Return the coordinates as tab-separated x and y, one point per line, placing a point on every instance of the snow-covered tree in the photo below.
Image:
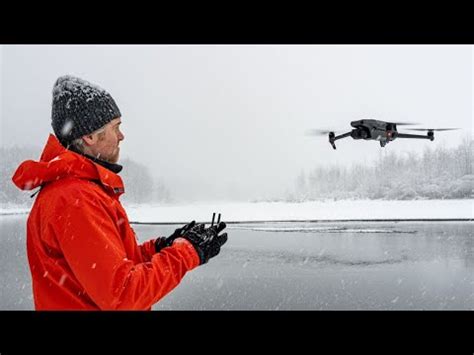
437	173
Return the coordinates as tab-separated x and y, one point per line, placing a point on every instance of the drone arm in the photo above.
333	138
343	135
405	135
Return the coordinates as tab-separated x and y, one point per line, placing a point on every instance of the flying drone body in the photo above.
384	132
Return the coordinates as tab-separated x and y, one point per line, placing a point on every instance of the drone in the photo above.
384	132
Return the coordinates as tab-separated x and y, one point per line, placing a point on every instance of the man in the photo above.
82	251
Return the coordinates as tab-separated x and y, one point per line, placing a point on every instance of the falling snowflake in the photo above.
67	127
63	278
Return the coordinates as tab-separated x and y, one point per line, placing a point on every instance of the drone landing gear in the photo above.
382	143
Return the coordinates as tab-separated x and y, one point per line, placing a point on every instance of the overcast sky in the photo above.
230	120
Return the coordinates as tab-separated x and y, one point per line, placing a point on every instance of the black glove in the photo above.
206	241
163	242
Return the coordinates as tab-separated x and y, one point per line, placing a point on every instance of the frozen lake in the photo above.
301	266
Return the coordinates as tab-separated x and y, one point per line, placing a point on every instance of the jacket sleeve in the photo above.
147	249
93	248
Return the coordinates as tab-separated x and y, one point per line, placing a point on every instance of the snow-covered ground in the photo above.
284	211
315	210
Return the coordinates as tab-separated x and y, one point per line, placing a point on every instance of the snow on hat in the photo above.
79	108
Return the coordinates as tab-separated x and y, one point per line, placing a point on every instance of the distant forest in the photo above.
437	173
140	186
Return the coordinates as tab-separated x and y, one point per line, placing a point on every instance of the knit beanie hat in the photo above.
80	108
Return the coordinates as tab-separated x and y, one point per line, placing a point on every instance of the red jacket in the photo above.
82	252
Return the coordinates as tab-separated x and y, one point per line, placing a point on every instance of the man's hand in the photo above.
163	242
206	241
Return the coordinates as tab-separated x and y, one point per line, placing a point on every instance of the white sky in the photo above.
230	120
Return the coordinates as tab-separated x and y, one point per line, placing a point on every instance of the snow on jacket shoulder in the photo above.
82	252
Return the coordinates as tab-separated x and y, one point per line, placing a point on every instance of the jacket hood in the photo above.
57	162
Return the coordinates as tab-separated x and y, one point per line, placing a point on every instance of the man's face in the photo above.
105	145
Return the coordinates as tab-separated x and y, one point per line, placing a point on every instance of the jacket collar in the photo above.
115	168
57	162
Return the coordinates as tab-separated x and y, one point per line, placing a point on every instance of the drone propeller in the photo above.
403	123
317	132
431	129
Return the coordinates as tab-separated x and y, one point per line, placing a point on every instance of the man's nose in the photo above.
121	137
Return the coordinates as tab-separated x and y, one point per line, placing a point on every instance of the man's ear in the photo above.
89	139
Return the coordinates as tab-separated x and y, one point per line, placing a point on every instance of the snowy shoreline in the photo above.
305	211
340	210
